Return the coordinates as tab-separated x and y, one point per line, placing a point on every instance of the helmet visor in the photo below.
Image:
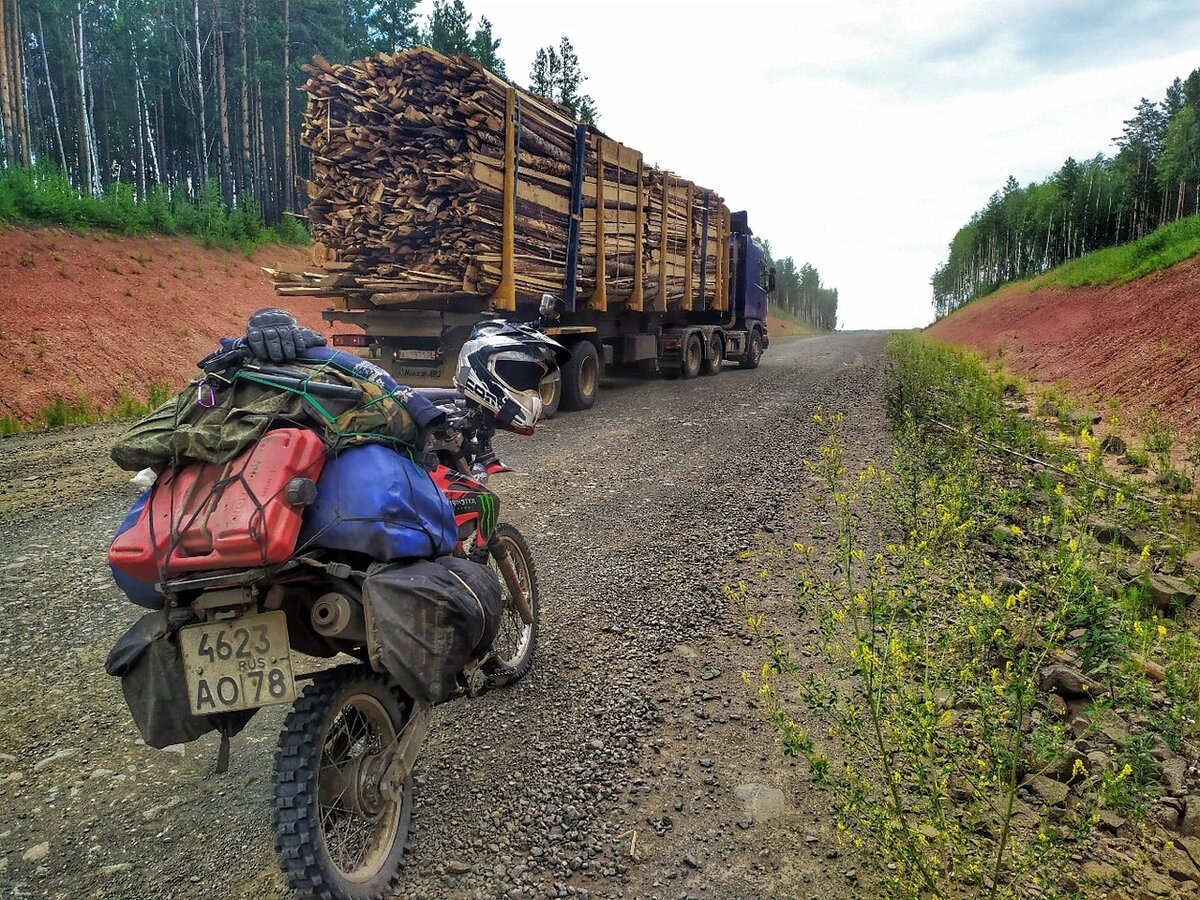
519	371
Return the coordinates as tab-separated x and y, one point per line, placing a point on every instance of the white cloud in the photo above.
860	136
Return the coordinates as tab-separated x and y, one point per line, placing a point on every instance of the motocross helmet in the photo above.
502	367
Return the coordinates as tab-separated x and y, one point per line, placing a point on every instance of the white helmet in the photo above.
502	367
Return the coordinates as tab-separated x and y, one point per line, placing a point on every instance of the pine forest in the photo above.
1152	180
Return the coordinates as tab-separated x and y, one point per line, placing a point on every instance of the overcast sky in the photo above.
861	134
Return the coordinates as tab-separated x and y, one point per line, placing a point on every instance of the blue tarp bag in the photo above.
373	500
136	589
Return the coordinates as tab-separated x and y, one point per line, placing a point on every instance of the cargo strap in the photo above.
704	247
304	385
577	165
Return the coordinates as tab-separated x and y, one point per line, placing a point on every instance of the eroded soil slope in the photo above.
1137	343
98	316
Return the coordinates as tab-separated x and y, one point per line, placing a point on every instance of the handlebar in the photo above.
440	396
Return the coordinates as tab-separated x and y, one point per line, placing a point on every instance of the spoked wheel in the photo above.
338	836
513	648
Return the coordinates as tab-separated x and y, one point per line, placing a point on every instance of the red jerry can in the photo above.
233	515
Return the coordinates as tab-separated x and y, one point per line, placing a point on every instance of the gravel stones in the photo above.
532	791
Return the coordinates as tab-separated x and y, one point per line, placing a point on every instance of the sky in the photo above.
860	135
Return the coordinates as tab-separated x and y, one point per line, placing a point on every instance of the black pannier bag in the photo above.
428	619
147	660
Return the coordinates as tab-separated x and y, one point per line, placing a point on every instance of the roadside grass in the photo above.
44	195
61	411
784	324
1002	672
1161	249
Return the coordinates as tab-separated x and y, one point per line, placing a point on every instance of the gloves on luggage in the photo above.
274	334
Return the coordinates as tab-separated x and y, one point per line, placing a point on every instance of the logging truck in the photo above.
442	194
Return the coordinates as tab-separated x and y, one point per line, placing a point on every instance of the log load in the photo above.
437	184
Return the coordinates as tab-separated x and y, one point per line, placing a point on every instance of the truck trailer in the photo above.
459	196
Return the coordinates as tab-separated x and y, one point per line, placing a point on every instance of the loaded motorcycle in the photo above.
231	621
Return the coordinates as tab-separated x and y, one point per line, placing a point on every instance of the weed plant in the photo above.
935	730
60	411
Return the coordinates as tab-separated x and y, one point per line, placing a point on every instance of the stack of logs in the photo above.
407	198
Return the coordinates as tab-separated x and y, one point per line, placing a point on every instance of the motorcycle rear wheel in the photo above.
515	643
337	836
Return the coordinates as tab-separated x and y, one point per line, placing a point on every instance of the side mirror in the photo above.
549	308
771	281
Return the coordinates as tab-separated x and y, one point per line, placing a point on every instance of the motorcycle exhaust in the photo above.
337	616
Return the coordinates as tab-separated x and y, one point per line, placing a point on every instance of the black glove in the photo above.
274	334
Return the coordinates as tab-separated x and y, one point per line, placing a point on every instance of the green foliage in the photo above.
556	75
1158	250
1023	232
931	639
60	411
43	195
800	292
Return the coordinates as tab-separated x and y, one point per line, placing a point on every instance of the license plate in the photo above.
401	371
237	663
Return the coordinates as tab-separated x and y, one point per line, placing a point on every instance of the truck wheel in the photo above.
693	356
551	397
581	377
753	351
716	355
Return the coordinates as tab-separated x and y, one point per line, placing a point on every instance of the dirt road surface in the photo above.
634	722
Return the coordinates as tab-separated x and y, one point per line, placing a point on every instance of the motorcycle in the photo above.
343	764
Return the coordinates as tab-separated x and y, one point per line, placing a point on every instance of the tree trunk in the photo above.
62	153
94	139
223	109
247	173
7	123
149	131
21	95
289	175
202	156
260	158
85	135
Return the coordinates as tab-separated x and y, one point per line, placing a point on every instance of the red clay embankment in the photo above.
1136	343
97	316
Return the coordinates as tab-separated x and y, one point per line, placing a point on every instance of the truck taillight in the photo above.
349	340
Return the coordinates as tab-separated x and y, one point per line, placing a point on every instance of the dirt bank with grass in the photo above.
98	318
1137	343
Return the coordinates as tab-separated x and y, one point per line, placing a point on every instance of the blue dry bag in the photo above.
138	590
373	500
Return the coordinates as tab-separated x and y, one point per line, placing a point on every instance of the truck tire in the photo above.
693	357
581	377
754	349
716	355
551	398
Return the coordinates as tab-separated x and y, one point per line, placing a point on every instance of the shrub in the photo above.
43	194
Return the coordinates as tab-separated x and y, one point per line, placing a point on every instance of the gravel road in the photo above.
634	732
